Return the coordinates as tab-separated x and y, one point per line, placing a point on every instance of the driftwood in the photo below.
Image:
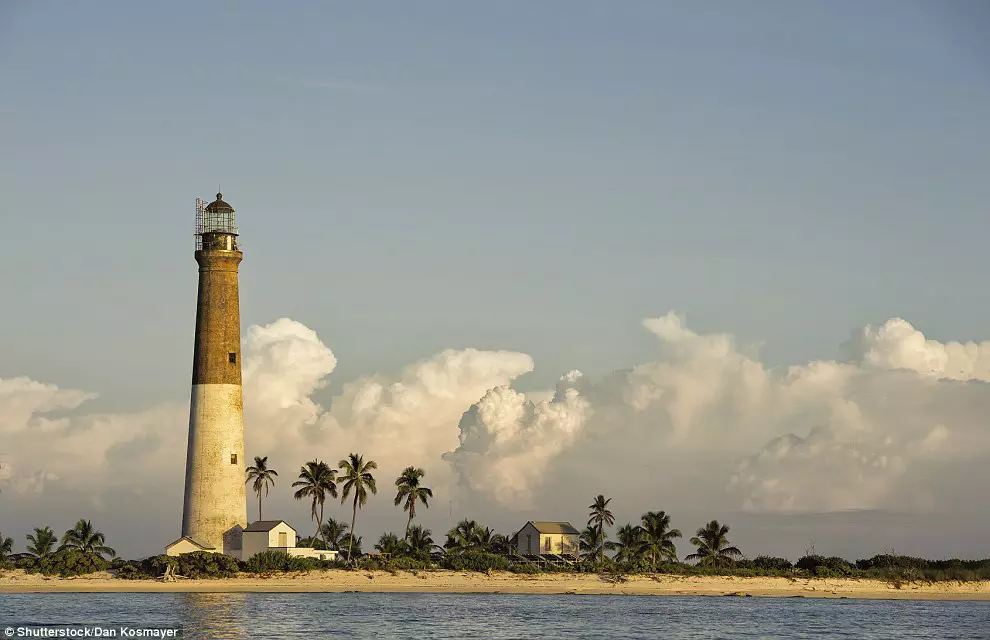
171	576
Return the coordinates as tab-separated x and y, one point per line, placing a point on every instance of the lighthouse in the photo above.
214	511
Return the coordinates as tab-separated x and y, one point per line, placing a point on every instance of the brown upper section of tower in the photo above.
217	350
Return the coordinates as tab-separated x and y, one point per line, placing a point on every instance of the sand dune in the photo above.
471	582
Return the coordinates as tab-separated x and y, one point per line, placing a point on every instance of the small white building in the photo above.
260	536
185	544
277	535
538	538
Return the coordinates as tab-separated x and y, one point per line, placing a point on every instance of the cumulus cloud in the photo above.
406	419
506	440
898	345
40	448
878	431
702	424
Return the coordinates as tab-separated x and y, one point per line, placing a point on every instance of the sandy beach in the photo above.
470	582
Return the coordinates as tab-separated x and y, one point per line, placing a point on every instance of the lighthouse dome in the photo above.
218	206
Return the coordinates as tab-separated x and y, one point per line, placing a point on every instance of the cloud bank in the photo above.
897	423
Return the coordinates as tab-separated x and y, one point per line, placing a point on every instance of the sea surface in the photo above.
497	616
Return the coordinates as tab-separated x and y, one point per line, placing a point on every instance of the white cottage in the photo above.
277	535
538	538
185	544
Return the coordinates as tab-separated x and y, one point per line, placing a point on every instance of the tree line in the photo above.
650	542
646	546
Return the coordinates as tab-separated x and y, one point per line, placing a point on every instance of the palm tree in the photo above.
497	542
43	541
601	517
629	542
6	546
355	548
316	481
389	544
713	546
410	491
358	477
658	538
334	534
465	536
420	542
590	543
262	476
86	539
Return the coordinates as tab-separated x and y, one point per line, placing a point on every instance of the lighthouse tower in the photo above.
214	511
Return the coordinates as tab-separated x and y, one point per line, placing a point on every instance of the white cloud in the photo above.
828	435
898	345
507	440
704	426
402	420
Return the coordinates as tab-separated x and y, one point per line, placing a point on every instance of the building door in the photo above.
283	539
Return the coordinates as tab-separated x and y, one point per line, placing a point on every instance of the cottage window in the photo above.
283	539
233	458
232	357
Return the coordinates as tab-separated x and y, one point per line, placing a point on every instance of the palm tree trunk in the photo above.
350	545
601	541
259	505
412	514
319	527
315	514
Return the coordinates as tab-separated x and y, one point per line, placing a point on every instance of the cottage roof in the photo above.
266	525
201	545
554	527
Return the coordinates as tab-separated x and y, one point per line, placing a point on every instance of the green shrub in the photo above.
202	564
267	561
770	563
154	567
406	563
130	570
65	563
888	561
370	563
810	563
274	560
476	561
839	566
836	565
398	563
821	571
525	568
906	568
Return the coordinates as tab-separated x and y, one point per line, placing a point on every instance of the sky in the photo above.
757	229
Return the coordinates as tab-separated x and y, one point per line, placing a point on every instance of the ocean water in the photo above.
497	616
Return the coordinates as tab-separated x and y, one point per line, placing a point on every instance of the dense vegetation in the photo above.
646	547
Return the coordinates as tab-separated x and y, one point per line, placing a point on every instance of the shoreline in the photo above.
339	581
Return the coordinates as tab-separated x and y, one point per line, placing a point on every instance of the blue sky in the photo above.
529	176
537	176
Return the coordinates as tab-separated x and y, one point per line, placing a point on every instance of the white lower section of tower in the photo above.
214	510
